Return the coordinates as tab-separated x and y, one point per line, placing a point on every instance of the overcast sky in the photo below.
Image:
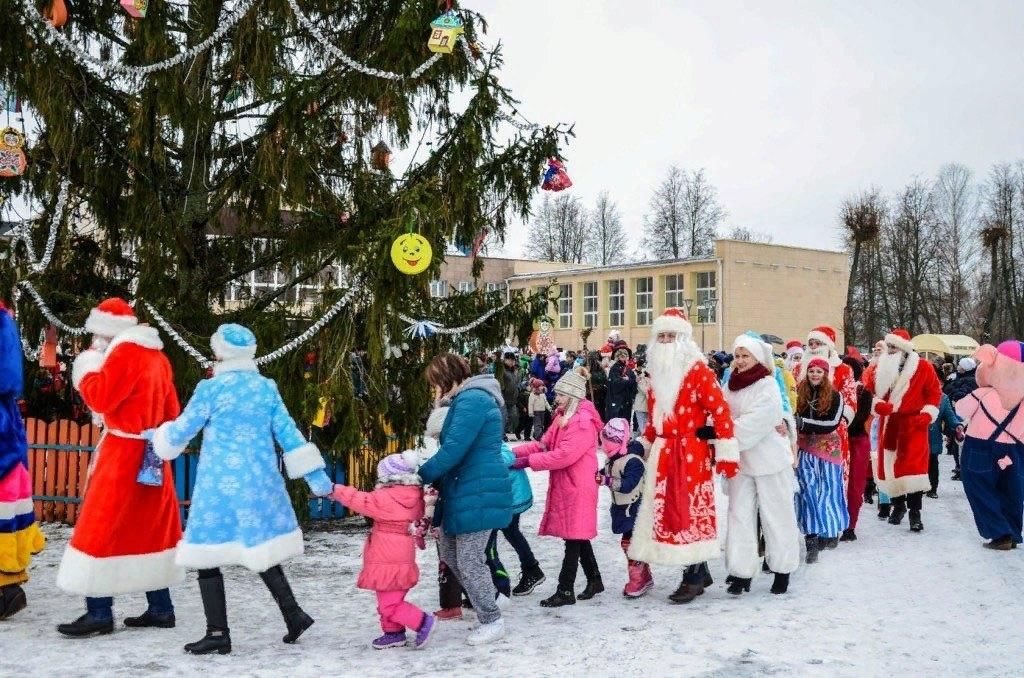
790	105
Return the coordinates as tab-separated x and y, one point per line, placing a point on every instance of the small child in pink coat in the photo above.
389	557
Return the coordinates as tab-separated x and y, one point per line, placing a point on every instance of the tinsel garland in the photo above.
22	233
45	310
427	328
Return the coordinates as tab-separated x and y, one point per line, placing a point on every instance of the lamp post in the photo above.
709	303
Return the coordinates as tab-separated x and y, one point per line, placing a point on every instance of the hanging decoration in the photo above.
420	328
380	156
56	13
137	8
555	178
48	351
45	310
12	157
308	365
411	253
445	31
325	406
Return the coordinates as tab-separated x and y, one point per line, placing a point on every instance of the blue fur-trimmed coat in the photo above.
241	513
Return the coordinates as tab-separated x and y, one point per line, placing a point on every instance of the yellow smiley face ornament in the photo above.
411	253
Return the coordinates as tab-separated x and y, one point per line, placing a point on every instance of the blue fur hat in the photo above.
233	341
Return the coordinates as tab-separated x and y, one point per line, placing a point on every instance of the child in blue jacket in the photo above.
522	500
623	475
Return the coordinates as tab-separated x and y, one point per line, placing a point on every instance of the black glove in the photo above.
706	433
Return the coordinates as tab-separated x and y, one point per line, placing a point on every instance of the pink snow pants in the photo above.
396	614
860	465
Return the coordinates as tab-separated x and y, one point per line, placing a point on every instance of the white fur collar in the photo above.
141	335
902	383
235	365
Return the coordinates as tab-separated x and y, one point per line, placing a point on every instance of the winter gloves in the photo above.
727	468
520	463
319	484
706	433
883	408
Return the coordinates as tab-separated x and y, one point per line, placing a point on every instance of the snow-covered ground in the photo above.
893	603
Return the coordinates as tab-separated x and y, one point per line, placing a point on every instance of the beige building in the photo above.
772	289
456	274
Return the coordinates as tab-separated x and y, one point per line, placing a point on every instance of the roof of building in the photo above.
615	267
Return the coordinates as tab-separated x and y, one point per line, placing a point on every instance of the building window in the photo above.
674	291
466	286
590	304
616	303
438	289
644	301
496	287
565	307
707	313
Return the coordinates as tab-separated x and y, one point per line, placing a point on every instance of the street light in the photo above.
709	303
687	303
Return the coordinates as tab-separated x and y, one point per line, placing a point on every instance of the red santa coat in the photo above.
901	463
677	522
126	535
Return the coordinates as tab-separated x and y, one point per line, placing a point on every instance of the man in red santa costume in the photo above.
907	397
127	532
677	523
794	354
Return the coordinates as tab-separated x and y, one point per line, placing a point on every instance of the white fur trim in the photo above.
227	352
727	450
900	343
10	509
141	335
257	558
668	323
822	337
897	487
902	383
400	479
848	412
435	422
412	458
235	365
107	324
162	446
87	362
931	411
302	460
87	575
761	351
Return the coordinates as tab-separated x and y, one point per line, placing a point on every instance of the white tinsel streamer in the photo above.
501	115
39	265
441	329
203	361
47	313
106	66
313	329
352	63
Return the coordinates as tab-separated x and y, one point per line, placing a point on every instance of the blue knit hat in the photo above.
233	341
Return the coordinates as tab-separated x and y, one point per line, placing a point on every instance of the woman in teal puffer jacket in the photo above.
474	490
949	423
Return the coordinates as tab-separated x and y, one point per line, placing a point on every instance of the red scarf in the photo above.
740	380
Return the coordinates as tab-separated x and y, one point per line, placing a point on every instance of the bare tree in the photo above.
1000	219
862	219
745	234
606	238
684	216
955	199
559	231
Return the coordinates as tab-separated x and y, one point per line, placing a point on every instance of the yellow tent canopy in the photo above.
945	344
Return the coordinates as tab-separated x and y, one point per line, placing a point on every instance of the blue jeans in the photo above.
103	608
996	495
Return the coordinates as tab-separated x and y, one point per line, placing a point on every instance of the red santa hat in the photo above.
111	317
672	320
794	343
900	338
825	335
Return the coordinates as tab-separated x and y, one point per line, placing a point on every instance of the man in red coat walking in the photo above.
127	532
907	397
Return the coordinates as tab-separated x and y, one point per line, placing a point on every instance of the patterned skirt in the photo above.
821	503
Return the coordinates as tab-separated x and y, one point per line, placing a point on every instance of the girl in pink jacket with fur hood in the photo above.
569	451
389	557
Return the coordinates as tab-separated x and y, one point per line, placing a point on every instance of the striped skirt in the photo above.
821	503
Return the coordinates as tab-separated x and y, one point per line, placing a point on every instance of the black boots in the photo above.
86	626
828	543
884	510
738	586
594	586
12	600
150	619
295	619
898	511
811	541
217	638
531	578
1000	544
781	584
915	521
560	598
848	535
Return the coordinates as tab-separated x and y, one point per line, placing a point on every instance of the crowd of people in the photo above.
798	442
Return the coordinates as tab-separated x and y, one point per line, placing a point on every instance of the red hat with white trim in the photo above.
111	317
900	339
672	320
825	335
794	343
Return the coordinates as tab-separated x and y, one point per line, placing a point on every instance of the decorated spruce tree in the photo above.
210	141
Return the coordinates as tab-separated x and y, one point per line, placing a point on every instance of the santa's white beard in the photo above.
793	361
887	371
667	364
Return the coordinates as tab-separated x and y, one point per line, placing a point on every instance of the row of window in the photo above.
440	288
643	289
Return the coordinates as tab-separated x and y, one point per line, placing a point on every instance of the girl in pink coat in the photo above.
569	451
389	557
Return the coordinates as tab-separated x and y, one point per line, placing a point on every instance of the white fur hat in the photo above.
759	349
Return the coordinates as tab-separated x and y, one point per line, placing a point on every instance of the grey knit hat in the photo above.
573	385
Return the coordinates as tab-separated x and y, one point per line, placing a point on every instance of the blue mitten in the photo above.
319	484
148	434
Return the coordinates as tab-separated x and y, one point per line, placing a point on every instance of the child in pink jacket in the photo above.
389	557
569	451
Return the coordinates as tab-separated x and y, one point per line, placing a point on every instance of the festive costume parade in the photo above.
677	523
764	486
126	537
241	513
20	537
907	397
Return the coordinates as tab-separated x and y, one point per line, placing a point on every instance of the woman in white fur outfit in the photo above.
765	482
